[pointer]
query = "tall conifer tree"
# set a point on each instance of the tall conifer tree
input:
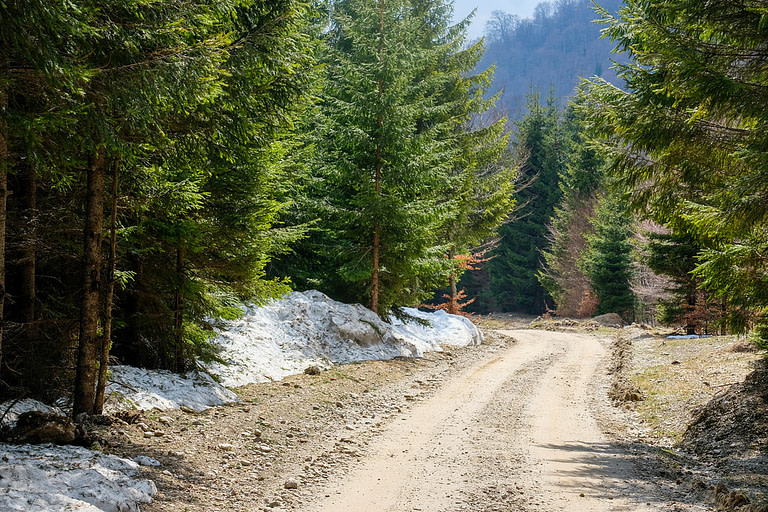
(512, 273)
(581, 180)
(150, 65)
(41, 70)
(395, 162)
(478, 194)
(208, 229)
(607, 260)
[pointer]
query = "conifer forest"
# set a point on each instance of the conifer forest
(162, 163)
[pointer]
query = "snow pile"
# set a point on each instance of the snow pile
(284, 338)
(444, 329)
(306, 329)
(47, 477)
(10, 411)
(136, 388)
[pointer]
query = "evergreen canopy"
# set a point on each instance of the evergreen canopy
(581, 181)
(401, 178)
(514, 285)
(688, 138)
(146, 146)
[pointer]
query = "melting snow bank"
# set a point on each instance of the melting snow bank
(308, 328)
(10, 411)
(284, 338)
(46, 477)
(136, 388)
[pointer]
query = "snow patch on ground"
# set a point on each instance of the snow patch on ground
(444, 329)
(47, 478)
(136, 388)
(10, 411)
(305, 329)
(284, 338)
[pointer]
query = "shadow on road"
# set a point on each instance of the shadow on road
(636, 473)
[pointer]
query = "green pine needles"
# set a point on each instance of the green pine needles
(402, 178)
(687, 138)
(607, 260)
(150, 142)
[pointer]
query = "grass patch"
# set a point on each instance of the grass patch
(677, 376)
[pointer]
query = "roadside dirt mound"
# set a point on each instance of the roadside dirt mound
(622, 390)
(735, 422)
(730, 433)
(566, 324)
(701, 388)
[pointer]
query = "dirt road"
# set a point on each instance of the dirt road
(518, 432)
(521, 423)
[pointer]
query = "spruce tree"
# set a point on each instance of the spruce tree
(205, 238)
(397, 183)
(581, 180)
(152, 65)
(379, 162)
(478, 194)
(607, 260)
(41, 68)
(512, 273)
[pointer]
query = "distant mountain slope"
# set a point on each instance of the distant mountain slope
(554, 49)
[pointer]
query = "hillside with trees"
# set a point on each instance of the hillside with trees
(554, 49)
(551, 53)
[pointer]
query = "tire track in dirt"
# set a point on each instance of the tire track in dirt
(512, 433)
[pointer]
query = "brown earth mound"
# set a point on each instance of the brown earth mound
(735, 422)
(730, 433)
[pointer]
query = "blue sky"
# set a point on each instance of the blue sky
(461, 8)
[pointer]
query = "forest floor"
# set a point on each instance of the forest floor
(523, 422)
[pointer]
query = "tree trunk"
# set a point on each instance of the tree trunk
(88, 348)
(178, 321)
(28, 253)
(453, 301)
(376, 238)
(106, 339)
(4, 167)
(690, 313)
(3, 210)
(375, 273)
